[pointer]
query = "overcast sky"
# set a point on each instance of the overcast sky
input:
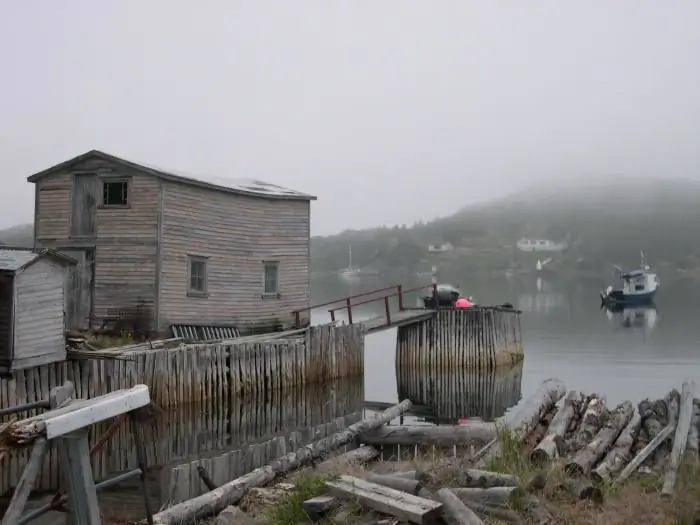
(389, 111)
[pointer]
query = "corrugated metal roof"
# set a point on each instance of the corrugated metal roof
(13, 260)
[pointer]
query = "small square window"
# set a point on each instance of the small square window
(115, 193)
(197, 275)
(271, 278)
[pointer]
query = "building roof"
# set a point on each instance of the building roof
(14, 259)
(251, 187)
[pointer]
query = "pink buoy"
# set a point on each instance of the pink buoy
(463, 303)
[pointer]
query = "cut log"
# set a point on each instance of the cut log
(584, 460)
(650, 420)
(409, 486)
(495, 512)
(620, 454)
(351, 457)
(230, 493)
(581, 489)
(551, 446)
(537, 511)
(693, 445)
(591, 422)
(473, 478)
(318, 507)
(685, 414)
(492, 496)
(456, 511)
(446, 436)
(644, 454)
(673, 403)
(386, 500)
(406, 474)
(525, 419)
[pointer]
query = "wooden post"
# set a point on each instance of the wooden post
(387, 310)
(348, 302)
(399, 292)
(26, 483)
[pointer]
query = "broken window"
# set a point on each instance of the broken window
(115, 193)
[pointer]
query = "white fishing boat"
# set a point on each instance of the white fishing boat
(638, 287)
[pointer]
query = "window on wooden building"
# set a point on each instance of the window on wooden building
(197, 275)
(115, 193)
(271, 284)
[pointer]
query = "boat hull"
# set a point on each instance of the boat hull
(619, 299)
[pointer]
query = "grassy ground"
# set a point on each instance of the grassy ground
(634, 502)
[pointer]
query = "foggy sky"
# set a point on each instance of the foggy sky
(389, 111)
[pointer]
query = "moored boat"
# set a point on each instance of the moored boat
(638, 287)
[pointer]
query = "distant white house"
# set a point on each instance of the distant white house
(440, 248)
(541, 245)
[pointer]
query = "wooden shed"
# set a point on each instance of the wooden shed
(32, 301)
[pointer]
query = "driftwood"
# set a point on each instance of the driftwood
(620, 454)
(650, 419)
(409, 486)
(410, 474)
(591, 422)
(316, 508)
(552, 444)
(456, 511)
(386, 500)
(584, 460)
(491, 496)
(693, 446)
(423, 435)
(355, 456)
(495, 512)
(232, 492)
(581, 489)
(644, 453)
(682, 427)
(526, 419)
(473, 478)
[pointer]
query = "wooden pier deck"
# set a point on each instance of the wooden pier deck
(401, 318)
(393, 298)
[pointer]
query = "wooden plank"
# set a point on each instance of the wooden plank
(386, 500)
(26, 483)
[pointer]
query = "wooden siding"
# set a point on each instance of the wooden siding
(124, 238)
(237, 234)
(6, 300)
(39, 329)
(54, 207)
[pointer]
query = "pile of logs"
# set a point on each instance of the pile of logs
(579, 437)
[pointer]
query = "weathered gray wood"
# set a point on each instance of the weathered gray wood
(490, 496)
(232, 492)
(318, 507)
(693, 446)
(354, 456)
(26, 483)
(525, 420)
(620, 454)
(406, 474)
(650, 420)
(410, 486)
(583, 461)
(683, 425)
(479, 432)
(386, 500)
(645, 453)
(590, 423)
(496, 513)
(537, 512)
(474, 478)
(454, 509)
(74, 452)
(581, 489)
(551, 445)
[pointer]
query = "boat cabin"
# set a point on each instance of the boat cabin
(32, 302)
(638, 282)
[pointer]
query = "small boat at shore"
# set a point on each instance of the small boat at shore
(639, 287)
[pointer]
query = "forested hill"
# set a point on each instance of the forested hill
(604, 222)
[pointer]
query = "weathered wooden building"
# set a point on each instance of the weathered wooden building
(176, 249)
(32, 295)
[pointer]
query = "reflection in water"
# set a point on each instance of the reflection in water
(542, 302)
(229, 439)
(452, 395)
(644, 317)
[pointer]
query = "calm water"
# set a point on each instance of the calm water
(627, 355)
